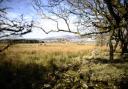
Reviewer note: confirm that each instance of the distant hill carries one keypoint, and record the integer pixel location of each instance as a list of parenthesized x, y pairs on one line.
[(65, 38), (69, 38)]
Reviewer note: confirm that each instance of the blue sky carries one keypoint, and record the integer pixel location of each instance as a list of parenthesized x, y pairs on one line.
[(18, 7)]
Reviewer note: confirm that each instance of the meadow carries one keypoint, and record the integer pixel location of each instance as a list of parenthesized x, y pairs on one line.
[(61, 66)]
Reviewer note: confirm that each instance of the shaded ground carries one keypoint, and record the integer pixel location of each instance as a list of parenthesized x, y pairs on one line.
[(18, 75)]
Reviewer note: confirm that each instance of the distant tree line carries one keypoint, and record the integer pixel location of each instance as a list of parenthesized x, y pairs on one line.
[(21, 41)]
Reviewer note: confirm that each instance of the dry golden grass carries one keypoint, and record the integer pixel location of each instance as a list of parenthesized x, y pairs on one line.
[(51, 47), (42, 53)]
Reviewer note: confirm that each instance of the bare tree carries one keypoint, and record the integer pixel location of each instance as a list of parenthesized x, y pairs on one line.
[(107, 16), (12, 27)]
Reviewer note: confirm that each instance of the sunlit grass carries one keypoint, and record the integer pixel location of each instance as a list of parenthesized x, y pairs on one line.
[(69, 61), (38, 52)]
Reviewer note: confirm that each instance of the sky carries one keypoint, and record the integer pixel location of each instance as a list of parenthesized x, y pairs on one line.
[(19, 7)]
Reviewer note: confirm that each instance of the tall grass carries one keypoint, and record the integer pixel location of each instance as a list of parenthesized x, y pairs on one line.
[(60, 66), (44, 53)]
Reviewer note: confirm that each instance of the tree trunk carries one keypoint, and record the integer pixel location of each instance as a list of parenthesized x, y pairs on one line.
[(111, 51), (124, 51)]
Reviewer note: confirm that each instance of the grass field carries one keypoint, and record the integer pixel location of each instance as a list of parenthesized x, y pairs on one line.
[(53, 50), (60, 66)]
